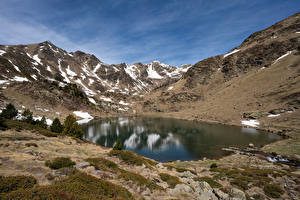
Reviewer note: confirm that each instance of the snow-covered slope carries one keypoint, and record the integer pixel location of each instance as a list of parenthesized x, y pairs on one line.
[(99, 81)]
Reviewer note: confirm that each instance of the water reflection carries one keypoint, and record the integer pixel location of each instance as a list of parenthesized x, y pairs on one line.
[(171, 139)]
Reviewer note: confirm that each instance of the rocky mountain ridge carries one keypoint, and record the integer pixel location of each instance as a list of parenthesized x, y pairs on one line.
[(101, 83)]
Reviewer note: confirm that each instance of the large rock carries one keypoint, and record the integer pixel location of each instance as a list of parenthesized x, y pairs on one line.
[(205, 192), (220, 194), (236, 194), (183, 188), (82, 165)]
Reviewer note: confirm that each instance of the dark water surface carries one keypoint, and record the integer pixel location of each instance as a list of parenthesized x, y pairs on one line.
[(164, 139)]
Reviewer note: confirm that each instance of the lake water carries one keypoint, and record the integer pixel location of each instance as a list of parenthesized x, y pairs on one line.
[(164, 139)]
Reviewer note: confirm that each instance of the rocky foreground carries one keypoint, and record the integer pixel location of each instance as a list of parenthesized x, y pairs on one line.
[(103, 173)]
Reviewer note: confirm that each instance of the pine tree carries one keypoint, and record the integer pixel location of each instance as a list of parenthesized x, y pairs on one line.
[(56, 126), (76, 131), (27, 116), (9, 112), (71, 127), (43, 123)]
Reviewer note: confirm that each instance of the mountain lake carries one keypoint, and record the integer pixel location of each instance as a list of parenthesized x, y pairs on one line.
[(165, 139)]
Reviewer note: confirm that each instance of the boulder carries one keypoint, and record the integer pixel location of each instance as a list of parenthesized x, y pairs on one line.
[(82, 165), (183, 188), (236, 194), (220, 194), (205, 191)]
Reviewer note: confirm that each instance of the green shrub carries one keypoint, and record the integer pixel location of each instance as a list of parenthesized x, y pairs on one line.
[(56, 126), (3, 125), (118, 145), (214, 165), (171, 180), (179, 169), (71, 128), (59, 162), (132, 158), (272, 190), (19, 125), (78, 186), (103, 164), (11, 183), (210, 181), (27, 116), (9, 112)]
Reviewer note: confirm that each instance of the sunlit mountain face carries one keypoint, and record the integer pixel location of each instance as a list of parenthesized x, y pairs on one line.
[(171, 139)]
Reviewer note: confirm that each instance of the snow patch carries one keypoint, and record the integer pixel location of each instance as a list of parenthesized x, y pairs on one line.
[(170, 88), (82, 114), (92, 100), (3, 81), (288, 53), (2, 52), (152, 73), (83, 121), (123, 103), (37, 59), (19, 79), (91, 81), (232, 52), (48, 121), (62, 72), (298, 32), (48, 68), (251, 122), (97, 67), (70, 72), (106, 99), (34, 76), (16, 67), (272, 115), (86, 90), (130, 69), (86, 117)]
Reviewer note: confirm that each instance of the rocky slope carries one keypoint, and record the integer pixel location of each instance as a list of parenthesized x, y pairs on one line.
[(253, 81)]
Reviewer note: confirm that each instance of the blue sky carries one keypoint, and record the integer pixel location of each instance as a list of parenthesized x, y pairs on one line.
[(175, 32)]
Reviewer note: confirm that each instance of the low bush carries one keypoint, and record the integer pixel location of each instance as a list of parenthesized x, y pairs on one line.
[(272, 190), (132, 158), (20, 125), (171, 180), (118, 145), (242, 178), (179, 169), (210, 181), (11, 183), (103, 164), (214, 165), (78, 186), (59, 162)]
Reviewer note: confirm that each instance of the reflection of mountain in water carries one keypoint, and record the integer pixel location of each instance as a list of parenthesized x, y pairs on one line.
[(153, 136), (135, 134)]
